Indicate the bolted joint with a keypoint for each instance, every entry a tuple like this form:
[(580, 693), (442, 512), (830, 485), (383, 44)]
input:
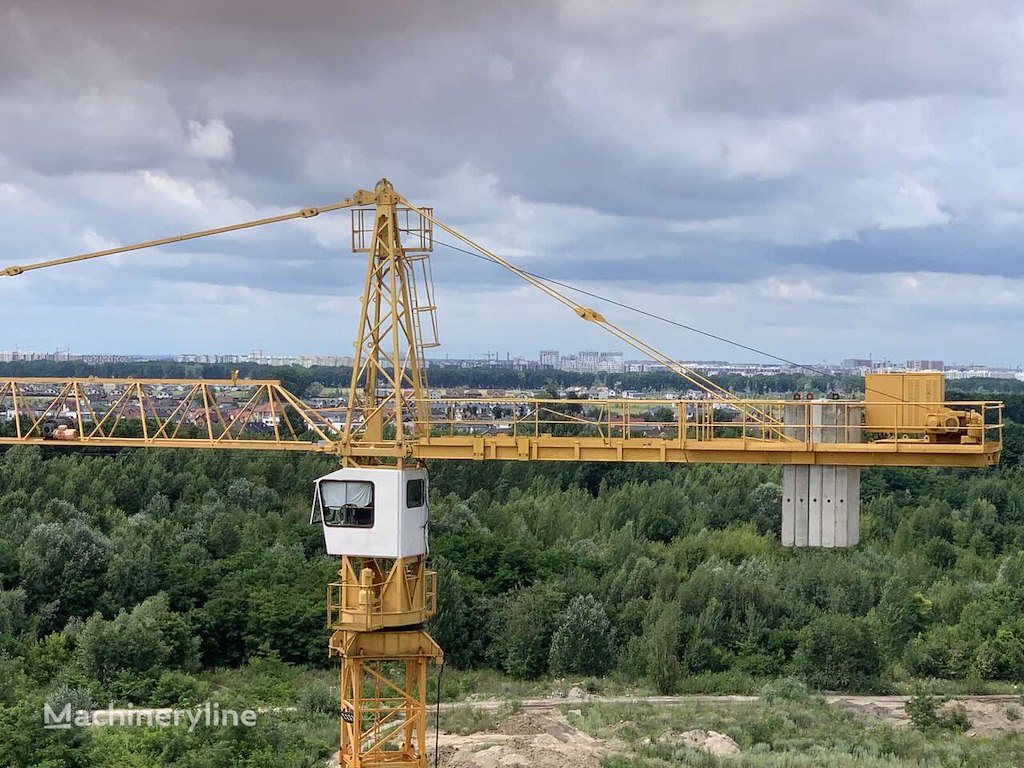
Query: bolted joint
[(308, 213), (13, 271)]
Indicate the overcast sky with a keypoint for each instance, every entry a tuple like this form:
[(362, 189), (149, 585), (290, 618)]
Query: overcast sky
[(818, 179)]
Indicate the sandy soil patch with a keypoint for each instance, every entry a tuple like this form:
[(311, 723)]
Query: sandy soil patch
[(990, 716), (537, 738)]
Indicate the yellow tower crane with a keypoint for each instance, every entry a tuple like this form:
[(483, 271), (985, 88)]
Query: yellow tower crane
[(373, 510)]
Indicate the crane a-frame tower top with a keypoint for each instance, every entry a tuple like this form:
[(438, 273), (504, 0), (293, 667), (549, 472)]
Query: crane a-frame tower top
[(374, 509)]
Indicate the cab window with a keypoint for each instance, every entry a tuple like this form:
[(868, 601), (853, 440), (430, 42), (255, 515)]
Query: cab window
[(415, 493), (347, 503)]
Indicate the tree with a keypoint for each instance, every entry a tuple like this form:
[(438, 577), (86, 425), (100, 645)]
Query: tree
[(285, 605), (142, 643), (63, 564), (766, 508), (25, 743), (525, 622), (459, 626), (901, 614), (583, 644), (838, 652), (663, 647), (13, 618)]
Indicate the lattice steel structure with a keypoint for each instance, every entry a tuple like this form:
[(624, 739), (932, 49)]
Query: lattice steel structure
[(377, 609)]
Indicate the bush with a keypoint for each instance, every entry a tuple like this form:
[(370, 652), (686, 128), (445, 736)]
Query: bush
[(48, 656), (465, 720), (320, 698), (784, 689), (176, 689), (923, 711), (78, 696), (12, 677)]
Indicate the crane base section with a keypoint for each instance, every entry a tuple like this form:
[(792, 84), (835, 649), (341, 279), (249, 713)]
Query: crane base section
[(384, 697)]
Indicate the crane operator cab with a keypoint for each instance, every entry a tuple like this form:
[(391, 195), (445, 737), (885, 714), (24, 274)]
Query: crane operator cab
[(378, 512)]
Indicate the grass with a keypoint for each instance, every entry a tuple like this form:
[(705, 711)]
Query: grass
[(477, 684), (787, 733), (965, 687), (788, 728), (467, 719)]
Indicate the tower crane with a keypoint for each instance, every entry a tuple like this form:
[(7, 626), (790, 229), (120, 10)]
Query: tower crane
[(374, 509)]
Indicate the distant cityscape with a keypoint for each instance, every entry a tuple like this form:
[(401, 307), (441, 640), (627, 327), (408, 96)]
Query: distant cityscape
[(583, 361)]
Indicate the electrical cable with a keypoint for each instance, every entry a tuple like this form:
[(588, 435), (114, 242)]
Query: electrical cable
[(437, 717)]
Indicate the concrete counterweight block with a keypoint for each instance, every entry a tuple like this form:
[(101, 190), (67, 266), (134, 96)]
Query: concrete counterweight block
[(821, 504)]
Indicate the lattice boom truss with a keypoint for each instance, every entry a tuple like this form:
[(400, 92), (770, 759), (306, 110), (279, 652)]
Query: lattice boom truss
[(214, 413)]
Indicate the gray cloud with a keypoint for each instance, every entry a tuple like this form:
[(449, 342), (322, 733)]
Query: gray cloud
[(746, 166)]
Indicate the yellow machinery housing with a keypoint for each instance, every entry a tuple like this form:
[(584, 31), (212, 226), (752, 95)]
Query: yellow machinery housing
[(914, 404)]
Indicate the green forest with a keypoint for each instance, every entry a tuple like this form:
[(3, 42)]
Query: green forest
[(166, 578)]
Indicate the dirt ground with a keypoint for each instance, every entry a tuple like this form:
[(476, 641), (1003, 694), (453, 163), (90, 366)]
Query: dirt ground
[(535, 738), (990, 716), (543, 738), (540, 736)]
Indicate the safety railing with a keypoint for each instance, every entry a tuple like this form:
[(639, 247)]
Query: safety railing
[(702, 420), (363, 605)]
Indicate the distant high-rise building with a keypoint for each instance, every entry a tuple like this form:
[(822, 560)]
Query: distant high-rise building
[(856, 364), (925, 365), (610, 362), (586, 360), (549, 358)]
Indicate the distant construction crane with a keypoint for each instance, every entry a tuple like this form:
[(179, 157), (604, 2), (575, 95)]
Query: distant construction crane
[(374, 509)]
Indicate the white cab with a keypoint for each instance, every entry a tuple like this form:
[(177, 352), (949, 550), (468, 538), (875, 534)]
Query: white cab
[(373, 512)]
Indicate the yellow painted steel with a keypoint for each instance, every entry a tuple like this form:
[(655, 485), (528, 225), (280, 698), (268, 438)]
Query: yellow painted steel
[(305, 213), (377, 594), (376, 611), (377, 607), (258, 414), (383, 696), (182, 413), (901, 398), (388, 381)]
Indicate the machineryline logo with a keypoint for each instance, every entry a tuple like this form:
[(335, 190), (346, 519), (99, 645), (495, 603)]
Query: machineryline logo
[(208, 716)]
